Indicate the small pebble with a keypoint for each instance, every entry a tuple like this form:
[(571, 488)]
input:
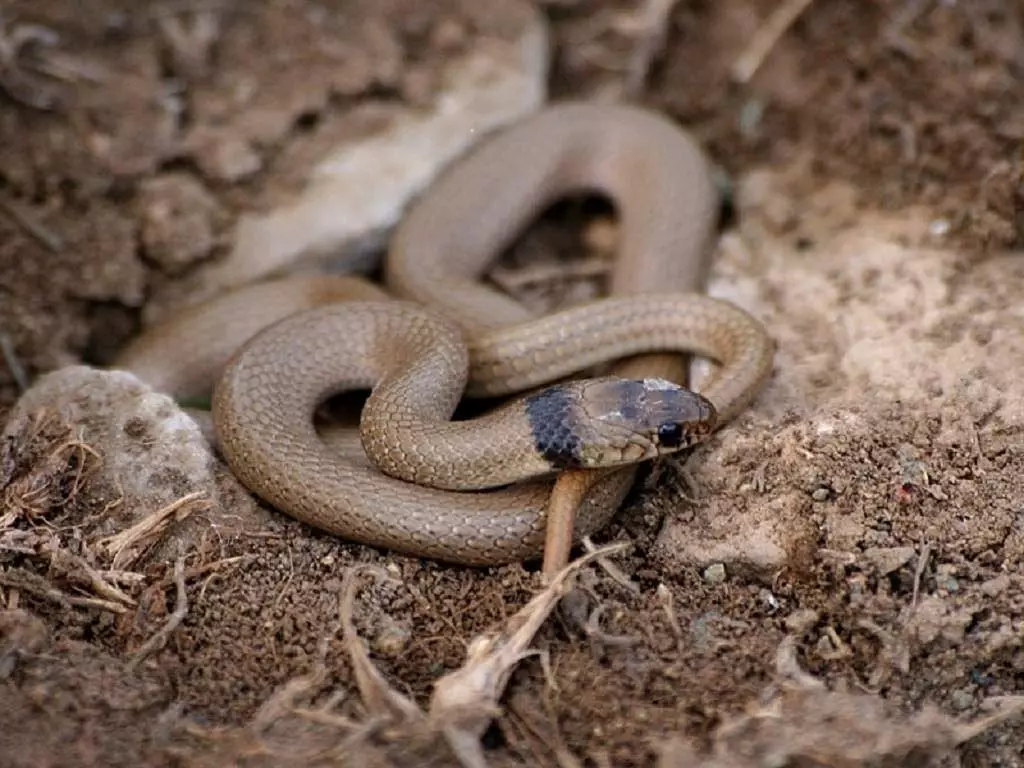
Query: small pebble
[(449, 35), (391, 640), (857, 584), (714, 573), (995, 586), (885, 560), (802, 620), (945, 577), (769, 599), (962, 699)]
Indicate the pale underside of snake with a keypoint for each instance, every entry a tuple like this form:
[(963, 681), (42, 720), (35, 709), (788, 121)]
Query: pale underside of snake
[(277, 350)]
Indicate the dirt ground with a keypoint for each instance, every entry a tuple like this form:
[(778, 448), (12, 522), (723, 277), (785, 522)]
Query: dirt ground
[(837, 579)]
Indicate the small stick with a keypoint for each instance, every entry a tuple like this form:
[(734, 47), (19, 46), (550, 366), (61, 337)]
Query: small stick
[(35, 585), (159, 640), (570, 489), (515, 279), (617, 574), (50, 239), (654, 23), (18, 372), (78, 569), (149, 526), (765, 39), (922, 563)]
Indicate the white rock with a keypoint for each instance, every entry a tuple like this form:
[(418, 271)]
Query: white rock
[(356, 194), (150, 449)]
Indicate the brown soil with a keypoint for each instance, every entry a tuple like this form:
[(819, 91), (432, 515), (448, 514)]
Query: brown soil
[(901, 589)]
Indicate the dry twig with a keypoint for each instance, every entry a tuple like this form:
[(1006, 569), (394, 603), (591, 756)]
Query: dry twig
[(159, 640), (514, 280), (13, 362), (922, 563), (19, 48), (465, 701), (78, 570), (377, 695), (765, 39), (615, 573), (48, 238), (652, 26), (126, 546), (32, 584)]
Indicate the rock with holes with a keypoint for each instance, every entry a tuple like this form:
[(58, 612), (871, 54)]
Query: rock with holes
[(101, 453)]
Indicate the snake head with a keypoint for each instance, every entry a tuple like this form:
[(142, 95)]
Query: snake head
[(610, 421)]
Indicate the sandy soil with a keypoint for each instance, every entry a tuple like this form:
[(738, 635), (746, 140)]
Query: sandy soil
[(837, 579)]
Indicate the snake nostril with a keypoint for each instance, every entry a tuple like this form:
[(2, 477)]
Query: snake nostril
[(670, 434)]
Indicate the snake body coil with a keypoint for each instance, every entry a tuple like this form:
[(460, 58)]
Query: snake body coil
[(265, 399)]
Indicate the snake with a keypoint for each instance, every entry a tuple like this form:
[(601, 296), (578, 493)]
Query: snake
[(475, 491)]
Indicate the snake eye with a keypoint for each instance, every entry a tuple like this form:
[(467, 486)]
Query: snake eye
[(670, 434)]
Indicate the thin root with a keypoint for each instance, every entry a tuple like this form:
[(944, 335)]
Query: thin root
[(78, 570), (922, 563), (159, 640), (615, 573), (35, 585), (379, 698), (48, 238)]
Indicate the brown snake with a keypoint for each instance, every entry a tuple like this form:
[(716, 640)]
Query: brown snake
[(264, 401)]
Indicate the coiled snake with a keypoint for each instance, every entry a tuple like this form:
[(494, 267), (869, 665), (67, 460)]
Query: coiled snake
[(450, 332)]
